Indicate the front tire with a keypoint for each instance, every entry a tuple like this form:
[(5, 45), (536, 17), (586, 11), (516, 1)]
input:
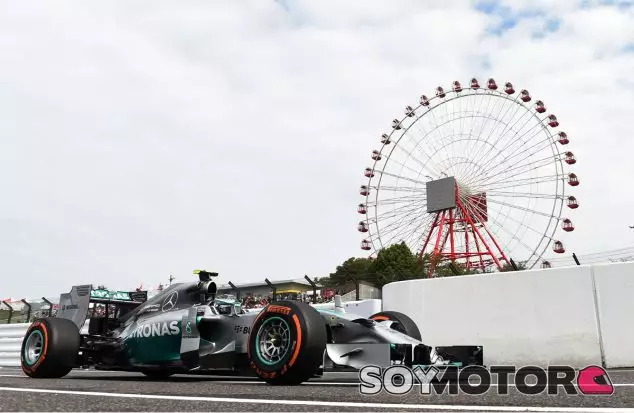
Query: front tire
[(50, 348), (287, 343), (402, 323)]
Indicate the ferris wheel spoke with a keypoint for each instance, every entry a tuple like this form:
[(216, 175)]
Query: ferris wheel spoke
[(405, 178), (527, 227), (395, 200), (416, 191), (403, 166), (518, 207), (524, 195), (512, 147), (389, 217), (537, 148), (400, 227), (423, 223), (502, 228), (423, 138), (507, 127), (520, 182), (517, 137), (505, 103), (486, 121), (519, 170), (405, 209)]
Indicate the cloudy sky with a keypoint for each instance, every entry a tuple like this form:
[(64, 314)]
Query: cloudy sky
[(143, 138)]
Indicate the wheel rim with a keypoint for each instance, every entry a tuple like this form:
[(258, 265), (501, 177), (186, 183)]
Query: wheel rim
[(33, 347), (273, 341)]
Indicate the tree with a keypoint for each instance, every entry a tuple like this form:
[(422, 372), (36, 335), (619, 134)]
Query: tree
[(521, 266), (355, 267), (396, 263)]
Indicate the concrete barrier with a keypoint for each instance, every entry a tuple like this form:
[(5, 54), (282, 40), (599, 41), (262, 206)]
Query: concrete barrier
[(614, 285), (540, 317)]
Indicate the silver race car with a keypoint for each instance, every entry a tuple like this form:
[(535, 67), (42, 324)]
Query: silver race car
[(187, 329)]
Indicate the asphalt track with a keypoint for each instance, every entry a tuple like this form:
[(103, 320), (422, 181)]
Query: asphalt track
[(89, 390)]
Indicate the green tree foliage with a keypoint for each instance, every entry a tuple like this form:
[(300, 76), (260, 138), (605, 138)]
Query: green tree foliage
[(358, 268), (508, 267), (394, 263)]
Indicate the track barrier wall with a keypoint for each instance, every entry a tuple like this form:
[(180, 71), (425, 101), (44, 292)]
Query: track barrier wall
[(576, 316)]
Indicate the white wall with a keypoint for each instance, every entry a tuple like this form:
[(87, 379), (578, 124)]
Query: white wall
[(531, 317), (615, 297)]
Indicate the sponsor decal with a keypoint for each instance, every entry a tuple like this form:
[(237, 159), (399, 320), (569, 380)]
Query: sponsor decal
[(169, 302), (156, 330), (151, 308), (242, 329), (477, 380), (70, 307), (278, 309)]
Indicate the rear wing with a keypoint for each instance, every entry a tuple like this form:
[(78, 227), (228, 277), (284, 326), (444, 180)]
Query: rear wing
[(75, 305)]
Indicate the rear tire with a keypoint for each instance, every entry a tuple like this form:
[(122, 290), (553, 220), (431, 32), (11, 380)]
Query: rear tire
[(50, 348), (287, 343), (402, 323)]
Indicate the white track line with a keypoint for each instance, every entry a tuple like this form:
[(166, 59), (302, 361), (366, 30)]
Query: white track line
[(328, 404), (309, 383)]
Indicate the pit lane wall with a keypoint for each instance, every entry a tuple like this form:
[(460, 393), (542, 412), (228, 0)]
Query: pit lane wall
[(576, 316)]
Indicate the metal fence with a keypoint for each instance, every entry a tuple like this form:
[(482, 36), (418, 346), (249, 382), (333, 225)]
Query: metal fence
[(25, 310), (11, 336)]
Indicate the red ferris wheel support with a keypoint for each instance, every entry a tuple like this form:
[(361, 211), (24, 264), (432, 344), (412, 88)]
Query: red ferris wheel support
[(462, 220)]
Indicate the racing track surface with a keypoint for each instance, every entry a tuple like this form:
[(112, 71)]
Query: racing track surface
[(90, 390)]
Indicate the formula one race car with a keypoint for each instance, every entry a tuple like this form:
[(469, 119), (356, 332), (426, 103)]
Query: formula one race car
[(186, 329)]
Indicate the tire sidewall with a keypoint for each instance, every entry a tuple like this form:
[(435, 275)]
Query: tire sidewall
[(406, 324), (290, 313), (60, 348), (41, 327)]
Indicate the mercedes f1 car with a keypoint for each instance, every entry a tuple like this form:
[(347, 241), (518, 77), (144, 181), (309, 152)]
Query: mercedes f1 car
[(187, 329)]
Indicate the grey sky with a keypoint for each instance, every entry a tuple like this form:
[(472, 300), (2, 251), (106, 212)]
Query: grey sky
[(142, 138)]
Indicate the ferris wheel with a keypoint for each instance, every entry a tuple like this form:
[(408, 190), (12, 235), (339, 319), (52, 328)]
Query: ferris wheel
[(475, 175)]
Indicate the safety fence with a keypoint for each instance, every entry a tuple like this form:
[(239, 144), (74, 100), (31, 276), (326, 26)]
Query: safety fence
[(26, 310)]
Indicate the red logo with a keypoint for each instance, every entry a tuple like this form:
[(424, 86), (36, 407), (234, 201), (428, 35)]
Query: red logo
[(594, 380)]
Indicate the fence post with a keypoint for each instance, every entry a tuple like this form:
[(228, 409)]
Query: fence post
[(28, 310), (10, 311), (356, 286), (312, 283), (272, 287), (50, 306), (234, 288)]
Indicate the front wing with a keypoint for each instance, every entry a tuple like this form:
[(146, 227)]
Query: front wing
[(355, 356)]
